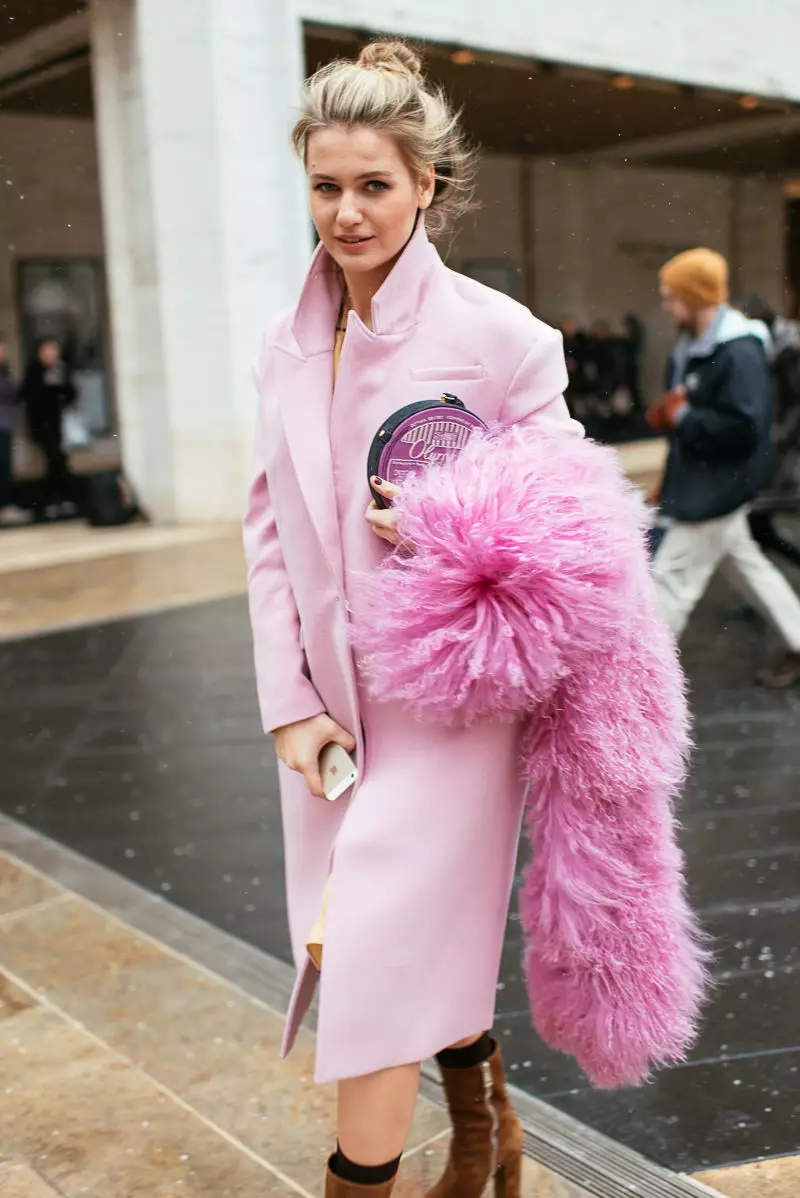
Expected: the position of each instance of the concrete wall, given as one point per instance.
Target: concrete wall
(717, 43)
(603, 234)
(597, 237)
(759, 241)
(494, 229)
(599, 234)
(49, 199)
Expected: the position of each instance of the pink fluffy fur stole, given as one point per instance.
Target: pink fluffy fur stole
(528, 593)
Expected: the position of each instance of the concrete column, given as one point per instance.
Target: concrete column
(206, 230)
(131, 259)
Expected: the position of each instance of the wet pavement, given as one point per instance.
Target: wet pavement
(130, 1070)
(138, 744)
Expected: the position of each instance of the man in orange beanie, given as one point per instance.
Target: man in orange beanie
(717, 412)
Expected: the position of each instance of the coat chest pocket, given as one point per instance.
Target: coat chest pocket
(447, 374)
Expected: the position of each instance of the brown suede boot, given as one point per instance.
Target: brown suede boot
(487, 1135)
(335, 1187)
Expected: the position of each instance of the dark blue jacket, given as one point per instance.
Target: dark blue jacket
(8, 401)
(720, 452)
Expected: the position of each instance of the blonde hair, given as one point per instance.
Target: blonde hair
(387, 90)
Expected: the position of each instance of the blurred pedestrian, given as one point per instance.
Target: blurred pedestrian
(576, 350)
(718, 415)
(47, 391)
(633, 346)
(783, 493)
(9, 512)
(605, 356)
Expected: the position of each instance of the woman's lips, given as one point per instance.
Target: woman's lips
(353, 243)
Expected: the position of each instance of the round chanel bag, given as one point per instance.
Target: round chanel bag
(417, 436)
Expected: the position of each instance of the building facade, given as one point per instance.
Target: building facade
(152, 212)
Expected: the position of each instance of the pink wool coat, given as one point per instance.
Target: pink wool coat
(421, 856)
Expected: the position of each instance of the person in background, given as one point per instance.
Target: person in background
(632, 347)
(46, 391)
(576, 348)
(606, 372)
(718, 415)
(783, 495)
(9, 512)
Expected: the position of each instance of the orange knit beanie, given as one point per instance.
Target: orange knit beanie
(698, 277)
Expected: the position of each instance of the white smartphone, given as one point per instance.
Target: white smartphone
(338, 771)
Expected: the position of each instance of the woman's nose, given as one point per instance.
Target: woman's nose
(349, 212)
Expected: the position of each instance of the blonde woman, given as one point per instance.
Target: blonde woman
(402, 887)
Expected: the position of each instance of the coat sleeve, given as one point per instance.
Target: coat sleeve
(285, 691)
(536, 392)
(730, 429)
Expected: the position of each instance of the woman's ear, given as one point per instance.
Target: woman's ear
(427, 186)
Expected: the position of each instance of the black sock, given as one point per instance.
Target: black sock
(466, 1058)
(362, 1175)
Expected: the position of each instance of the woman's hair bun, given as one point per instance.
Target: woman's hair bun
(386, 90)
(391, 56)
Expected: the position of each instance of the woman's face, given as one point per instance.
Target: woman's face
(364, 198)
(49, 353)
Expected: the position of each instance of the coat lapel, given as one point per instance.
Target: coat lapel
(305, 391)
(305, 370)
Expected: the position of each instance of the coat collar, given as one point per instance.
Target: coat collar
(305, 398)
(395, 307)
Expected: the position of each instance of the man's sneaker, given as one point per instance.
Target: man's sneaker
(784, 671)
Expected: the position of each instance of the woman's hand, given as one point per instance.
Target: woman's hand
(299, 745)
(384, 520)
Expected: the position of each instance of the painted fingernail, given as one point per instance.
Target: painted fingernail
(377, 481)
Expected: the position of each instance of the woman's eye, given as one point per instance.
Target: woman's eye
(377, 185)
(325, 187)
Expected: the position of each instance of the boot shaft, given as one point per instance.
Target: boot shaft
(487, 1136)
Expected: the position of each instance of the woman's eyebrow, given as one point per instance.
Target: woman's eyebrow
(365, 175)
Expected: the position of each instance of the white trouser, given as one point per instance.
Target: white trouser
(689, 555)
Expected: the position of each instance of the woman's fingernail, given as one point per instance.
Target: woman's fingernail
(378, 482)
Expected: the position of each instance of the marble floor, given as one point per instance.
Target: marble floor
(64, 575)
(130, 1070)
